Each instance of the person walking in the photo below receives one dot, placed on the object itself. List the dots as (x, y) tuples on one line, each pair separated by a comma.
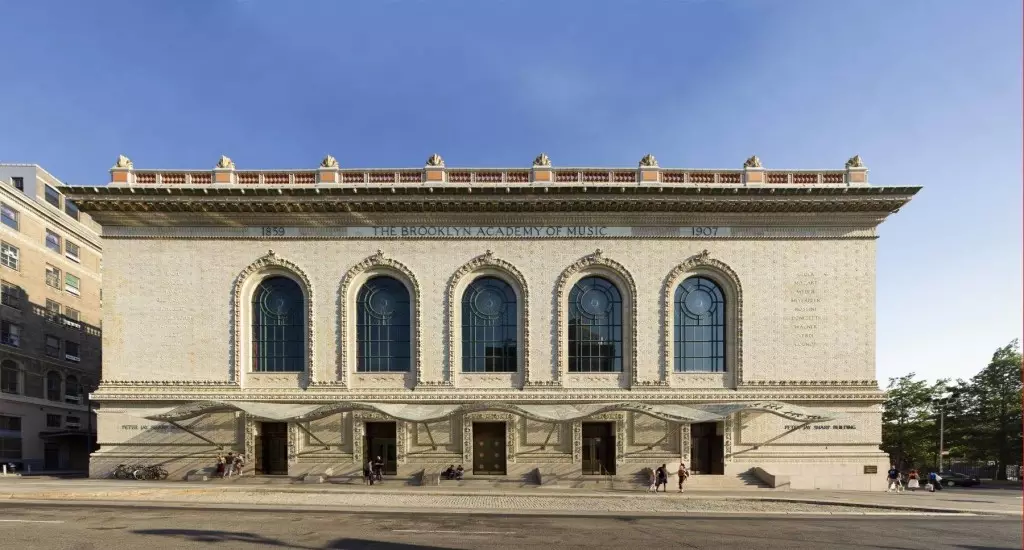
[(378, 469), (229, 465), (653, 480), (683, 473), (220, 466), (368, 471), (892, 479), (662, 478), (913, 480)]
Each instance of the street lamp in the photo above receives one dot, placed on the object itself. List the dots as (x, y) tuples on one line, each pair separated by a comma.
[(942, 423)]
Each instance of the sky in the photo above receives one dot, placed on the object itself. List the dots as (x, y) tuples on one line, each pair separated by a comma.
[(928, 92)]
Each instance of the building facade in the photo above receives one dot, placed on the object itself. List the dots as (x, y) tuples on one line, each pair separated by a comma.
[(50, 261), (543, 323)]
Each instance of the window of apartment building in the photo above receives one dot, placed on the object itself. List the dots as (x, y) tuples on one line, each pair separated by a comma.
[(18, 183), (52, 196), (71, 351), (9, 374), (33, 384), (9, 255), (52, 346), (72, 317), (53, 277), (54, 421), (10, 295), (10, 438), (53, 386), (71, 209), (10, 333), (73, 422), (52, 311), (72, 251), (53, 241), (8, 216), (72, 392), (72, 284)]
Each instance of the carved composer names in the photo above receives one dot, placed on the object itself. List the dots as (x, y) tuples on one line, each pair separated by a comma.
[(802, 315)]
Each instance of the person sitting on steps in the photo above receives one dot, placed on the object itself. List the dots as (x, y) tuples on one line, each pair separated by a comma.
[(449, 472), (459, 472)]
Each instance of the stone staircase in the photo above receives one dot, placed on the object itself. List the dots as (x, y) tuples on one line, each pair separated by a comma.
[(743, 481)]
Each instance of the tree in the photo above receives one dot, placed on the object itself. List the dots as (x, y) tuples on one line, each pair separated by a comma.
[(908, 423), (992, 410)]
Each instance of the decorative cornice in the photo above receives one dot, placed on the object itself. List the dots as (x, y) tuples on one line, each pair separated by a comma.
[(269, 261), (347, 364), (724, 275), (512, 276), (595, 262)]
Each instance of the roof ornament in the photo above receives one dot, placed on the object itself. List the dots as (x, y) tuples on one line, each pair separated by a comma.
[(123, 162), (854, 162), (649, 161), (225, 162), (752, 162), (542, 160), (435, 160), (329, 162)]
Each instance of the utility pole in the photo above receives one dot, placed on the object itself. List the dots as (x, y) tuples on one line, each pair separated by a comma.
[(942, 430)]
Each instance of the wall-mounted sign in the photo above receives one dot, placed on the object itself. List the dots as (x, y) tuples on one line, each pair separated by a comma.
[(871, 469)]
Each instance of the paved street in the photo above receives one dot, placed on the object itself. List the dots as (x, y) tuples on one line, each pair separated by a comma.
[(28, 527)]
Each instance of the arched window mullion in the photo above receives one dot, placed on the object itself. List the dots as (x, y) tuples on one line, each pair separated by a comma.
[(595, 326), (383, 326), (489, 327), (699, 326), (278, 326)]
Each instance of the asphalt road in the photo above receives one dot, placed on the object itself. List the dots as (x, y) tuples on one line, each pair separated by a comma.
[(25, 527)]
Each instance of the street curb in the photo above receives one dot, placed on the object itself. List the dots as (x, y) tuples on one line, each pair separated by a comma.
[(465, 511), (887, 508)]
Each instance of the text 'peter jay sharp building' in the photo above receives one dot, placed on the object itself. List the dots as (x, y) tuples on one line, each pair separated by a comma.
[(543, 323)]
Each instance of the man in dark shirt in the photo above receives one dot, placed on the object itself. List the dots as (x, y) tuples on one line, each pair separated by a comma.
[(893, 482)]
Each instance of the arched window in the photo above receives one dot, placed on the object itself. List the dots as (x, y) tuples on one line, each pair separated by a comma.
[(71, 390), (278, 326), (383, 326), (9, 377), (489, 327), (699, 326), (53, 386), (595, 326)]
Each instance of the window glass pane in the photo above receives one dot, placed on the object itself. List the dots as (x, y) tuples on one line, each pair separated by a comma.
[(53, 276), (53, 421), (383, 326), (278, 326), (9, 255), (71, 250), (10, 295), (489, 326), (52, 346), (53, 386), (53, 241), (71, 209), (9, 216), (699, 326), (10, 377), (10, 333), (19, 183), (72, 284), (595, 326), (52, 196)]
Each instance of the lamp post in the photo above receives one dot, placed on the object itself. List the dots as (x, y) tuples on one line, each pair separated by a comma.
[(942, 425)]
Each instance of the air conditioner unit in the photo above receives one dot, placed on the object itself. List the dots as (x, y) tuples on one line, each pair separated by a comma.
[(76, 399), (70, 357)]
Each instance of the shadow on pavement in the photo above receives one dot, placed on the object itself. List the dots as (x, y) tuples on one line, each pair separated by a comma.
[(205, 535)]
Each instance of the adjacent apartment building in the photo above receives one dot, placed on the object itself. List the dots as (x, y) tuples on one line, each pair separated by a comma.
[(49, 323)]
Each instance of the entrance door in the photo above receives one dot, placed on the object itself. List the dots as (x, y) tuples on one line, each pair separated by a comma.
[(707, 447), (51, 456), (598, 448), (381, 441), (272, 449), (489, 448)]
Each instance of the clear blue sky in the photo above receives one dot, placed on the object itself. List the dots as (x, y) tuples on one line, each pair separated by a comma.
[(927, 91)]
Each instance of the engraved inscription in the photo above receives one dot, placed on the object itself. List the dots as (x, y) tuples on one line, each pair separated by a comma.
[(801, 317)]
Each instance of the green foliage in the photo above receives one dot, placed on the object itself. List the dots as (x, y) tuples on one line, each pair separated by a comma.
[(982, 416)]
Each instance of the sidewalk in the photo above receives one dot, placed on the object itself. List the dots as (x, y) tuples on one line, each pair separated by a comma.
[(394, 497)]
